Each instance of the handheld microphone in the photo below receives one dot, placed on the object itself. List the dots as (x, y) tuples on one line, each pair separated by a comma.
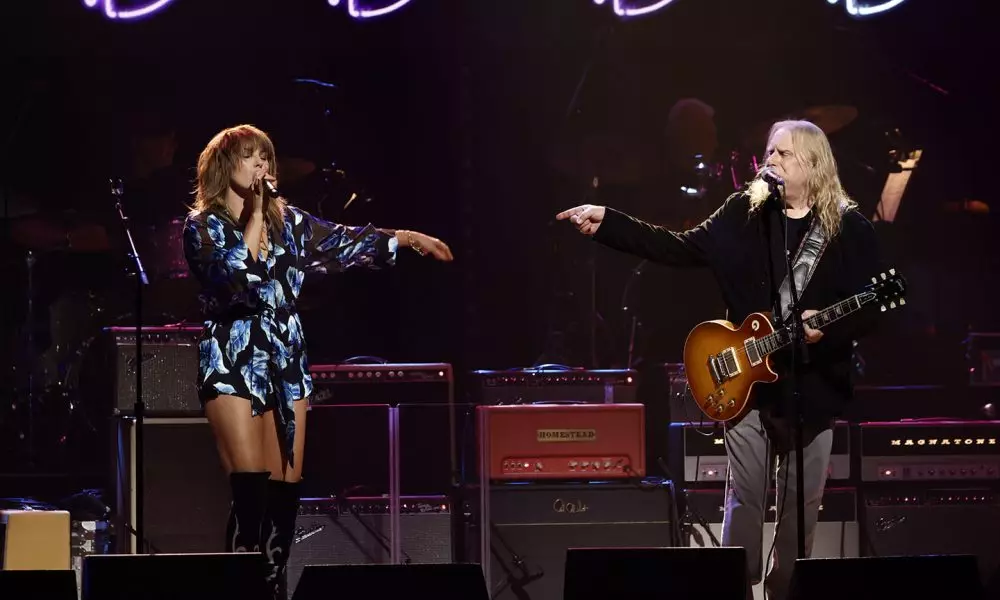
[(271, 189)]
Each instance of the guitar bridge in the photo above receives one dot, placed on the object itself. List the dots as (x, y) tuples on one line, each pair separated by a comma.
[(724, 366)]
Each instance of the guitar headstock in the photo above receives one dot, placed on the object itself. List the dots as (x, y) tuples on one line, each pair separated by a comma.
[(888, 289)]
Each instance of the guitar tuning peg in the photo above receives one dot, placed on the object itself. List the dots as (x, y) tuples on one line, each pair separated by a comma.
[(902, 301), (892, 271), (883, 308), (874, 280), (883, 276), (892, 305)]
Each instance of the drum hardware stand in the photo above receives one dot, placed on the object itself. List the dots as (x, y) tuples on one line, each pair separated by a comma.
[(141, 280), (605, 31), (30, 260), (633, 308)]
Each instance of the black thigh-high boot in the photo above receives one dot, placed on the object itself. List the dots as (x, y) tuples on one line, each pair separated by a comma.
[(246, 511), (278, 532)]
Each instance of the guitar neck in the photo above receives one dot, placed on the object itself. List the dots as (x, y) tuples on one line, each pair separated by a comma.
[(782, 337)]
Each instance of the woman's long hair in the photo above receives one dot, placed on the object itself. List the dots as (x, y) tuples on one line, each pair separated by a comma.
[(220, 159), (824, 191)]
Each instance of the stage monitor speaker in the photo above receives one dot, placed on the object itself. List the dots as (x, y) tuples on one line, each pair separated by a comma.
[(441, 582), (870, 578), (527, 528), (47, 584), (175, 576), (837, 529), (655, 573), (187, 491)]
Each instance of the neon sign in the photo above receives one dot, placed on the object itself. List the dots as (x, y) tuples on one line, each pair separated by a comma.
[(622, 10), (864, 9), (112, 13), (359, 9), (355, 10)]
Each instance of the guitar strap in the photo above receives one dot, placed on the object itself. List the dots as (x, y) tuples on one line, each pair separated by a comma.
[(804, 264)]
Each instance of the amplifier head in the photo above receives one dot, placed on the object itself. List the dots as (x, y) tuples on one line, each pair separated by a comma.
[(388, 383), (527, 386)]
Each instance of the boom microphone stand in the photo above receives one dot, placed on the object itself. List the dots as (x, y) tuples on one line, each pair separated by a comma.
[(141, 280)]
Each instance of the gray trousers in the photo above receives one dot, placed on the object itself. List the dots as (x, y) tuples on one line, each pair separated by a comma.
[(752, 445)]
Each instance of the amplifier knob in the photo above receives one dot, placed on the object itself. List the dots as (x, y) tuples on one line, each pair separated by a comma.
[(585, 464), (572, 464), (607, 464), (538, 466)]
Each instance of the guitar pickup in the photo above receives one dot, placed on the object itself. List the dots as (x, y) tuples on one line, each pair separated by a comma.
[(753, 354), (724, 365)]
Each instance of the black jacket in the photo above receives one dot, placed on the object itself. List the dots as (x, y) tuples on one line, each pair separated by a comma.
[(732, 244)]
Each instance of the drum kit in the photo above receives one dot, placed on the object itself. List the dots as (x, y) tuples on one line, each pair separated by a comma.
[(621, 160), (65, 273), (70, 276)]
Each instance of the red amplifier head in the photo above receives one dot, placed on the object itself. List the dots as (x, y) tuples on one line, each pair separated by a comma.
[(562, 441)]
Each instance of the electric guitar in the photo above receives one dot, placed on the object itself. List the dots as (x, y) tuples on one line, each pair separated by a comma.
[(723, 363)]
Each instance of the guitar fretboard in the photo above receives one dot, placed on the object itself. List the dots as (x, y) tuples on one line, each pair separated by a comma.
[(783, 336)]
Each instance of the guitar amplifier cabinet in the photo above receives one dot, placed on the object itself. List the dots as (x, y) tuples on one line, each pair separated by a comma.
[(430, 424), (530, 386), (357, 531), (837, 534), (186, 499), (698, 452), (169, 370), (912, 519), (526, 529)]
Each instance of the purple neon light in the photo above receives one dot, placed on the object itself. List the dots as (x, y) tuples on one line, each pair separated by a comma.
[(355, 10), (861, 9), (634, 11), (113, 13)]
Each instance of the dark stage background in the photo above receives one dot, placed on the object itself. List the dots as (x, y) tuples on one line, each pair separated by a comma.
[(461, 119)]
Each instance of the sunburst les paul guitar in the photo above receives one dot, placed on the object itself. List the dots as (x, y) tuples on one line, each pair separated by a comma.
[(723, 363)]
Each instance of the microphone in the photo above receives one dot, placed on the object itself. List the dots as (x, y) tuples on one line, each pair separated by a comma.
[(772, 179), (271, 189), (775, 184)]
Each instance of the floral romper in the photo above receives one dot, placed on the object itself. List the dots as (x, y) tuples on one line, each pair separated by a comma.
[(252, 345)]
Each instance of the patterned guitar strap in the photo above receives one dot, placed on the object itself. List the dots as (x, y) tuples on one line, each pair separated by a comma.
[(804, 264)]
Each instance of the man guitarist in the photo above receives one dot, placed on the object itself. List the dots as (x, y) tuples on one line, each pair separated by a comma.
[(744, 244)]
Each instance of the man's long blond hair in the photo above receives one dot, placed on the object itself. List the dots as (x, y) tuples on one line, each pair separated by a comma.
[(219, 160), (825, 194)]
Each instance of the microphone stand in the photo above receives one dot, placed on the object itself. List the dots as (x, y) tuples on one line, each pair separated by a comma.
[(140, 408), (799, 352)]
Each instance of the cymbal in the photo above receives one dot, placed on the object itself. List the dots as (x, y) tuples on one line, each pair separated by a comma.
[(612, 158), (830, 118), (65, 231), (292, 168)]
